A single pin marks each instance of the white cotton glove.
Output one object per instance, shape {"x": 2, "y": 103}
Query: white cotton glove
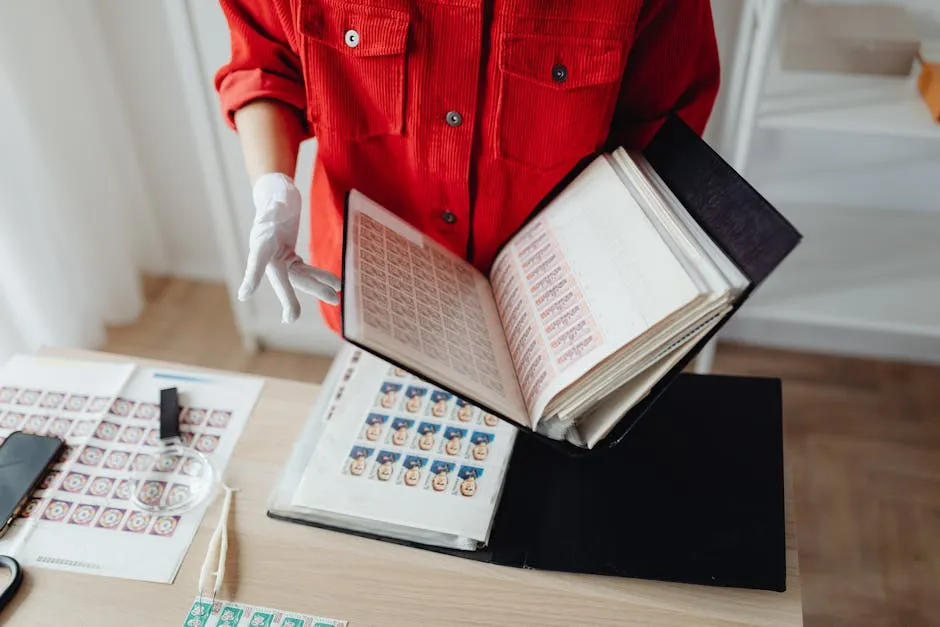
{"x": 271, "y": 248}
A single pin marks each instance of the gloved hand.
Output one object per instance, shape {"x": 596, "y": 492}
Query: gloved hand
{"x": 271, "y": 248}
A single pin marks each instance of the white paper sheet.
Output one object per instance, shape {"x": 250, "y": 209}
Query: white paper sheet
{"x": 81, "y": 519}
{"x": 397, "y": 450}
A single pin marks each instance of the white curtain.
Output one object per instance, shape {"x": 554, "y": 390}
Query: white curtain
{"x": 71, "y": 199}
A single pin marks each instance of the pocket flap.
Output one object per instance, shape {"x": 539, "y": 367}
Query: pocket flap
{"x": 562, "y": 62}
{"x": 356, "y": 29}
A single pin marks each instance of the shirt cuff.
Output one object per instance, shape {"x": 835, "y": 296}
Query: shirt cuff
{"x": 240, "y": 87}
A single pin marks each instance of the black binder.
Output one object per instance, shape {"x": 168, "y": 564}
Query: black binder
{"x": 747, "y": 228}
{"x": 695, "y": 494}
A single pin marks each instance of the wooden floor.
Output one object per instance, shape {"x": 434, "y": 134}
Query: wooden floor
{"x": 862, "y": 438}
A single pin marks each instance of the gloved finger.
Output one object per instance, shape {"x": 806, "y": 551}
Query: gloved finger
{"x": 327, "y": 278}
{"x": 315, "y": 282}
{"x": 306, "y": 272}
{"x": 259, "y": 256}
{"x": 280, "y": 281}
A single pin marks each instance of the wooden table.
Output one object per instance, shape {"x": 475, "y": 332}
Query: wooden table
{"x": 298, "y": 568}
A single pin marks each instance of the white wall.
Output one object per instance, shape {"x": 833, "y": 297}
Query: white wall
{"x": 201, "y": 45}
{"x": 726, "y": 14}
{"x": 852, "y": 162}
{"x": 136, "y": 34}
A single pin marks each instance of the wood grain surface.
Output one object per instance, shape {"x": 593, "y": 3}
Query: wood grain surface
{"x": 366, "y": 582}
{"x": 862, "y": 440}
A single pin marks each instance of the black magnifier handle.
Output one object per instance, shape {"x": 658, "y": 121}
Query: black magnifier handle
{"x": 169, "y": 414}
{"x": 16, "y": 578}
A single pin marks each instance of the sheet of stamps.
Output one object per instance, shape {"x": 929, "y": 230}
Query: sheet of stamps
{"x": 219, "y": 613}
{"x": 548, "y": 321}
{"x": 426, "y": 300}
{"x": 395, "y": 450}
{"x": 81, "y": 518}
{"x": 417, "y": 436}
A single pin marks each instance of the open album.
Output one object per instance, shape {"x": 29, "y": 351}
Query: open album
{"x": 584, "y": 310}
{"x": 695, "y": 494}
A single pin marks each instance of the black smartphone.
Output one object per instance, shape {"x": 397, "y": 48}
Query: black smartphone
{"x": 24, "y": 460}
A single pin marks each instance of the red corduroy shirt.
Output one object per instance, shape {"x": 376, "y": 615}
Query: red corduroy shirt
{"x": 461, "y": 115}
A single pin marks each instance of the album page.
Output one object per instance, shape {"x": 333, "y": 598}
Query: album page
{"x": 583, "y": 279}
{"x": 415, "y": 303}
{"x": 595, "y": 426}
{"x": 395, "y": 450}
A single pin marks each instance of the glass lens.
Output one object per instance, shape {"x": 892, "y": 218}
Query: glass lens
{"x": 177, "y": 479}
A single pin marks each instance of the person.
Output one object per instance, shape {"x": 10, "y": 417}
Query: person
{"x": 459, "y": 116}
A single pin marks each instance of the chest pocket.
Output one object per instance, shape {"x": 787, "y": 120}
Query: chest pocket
{"x": 556, "y": 97}
{"x": 354, "y": 59}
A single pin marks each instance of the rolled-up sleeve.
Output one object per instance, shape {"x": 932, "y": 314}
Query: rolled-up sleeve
{"x": 264, "y": 62}
{"x": 673, "y": 68}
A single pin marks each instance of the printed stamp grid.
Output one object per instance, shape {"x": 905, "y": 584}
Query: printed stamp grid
{"x": 106, "y": 439}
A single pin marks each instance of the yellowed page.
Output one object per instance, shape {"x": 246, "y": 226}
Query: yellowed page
{"x": 587, "y": 276}
{"x": 416, "y": 304}
{"x": 599, "y": 422}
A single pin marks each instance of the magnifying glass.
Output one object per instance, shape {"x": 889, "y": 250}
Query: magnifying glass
{"x": 194, "y": 478}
